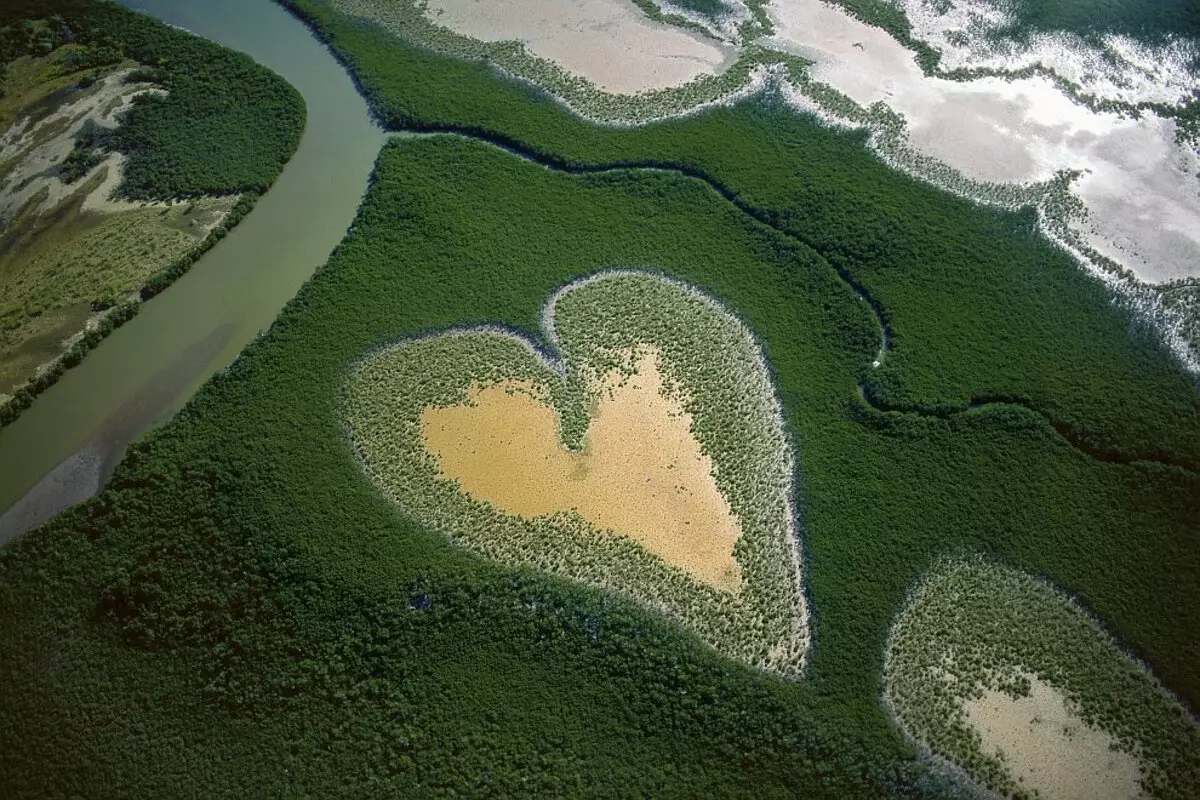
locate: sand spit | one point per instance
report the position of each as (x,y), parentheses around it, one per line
(641,472)
(1138,185)
(1049,749)
(609,42)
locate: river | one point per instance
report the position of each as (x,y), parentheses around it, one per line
(64,447)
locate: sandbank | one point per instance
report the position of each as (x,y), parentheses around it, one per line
(609,42)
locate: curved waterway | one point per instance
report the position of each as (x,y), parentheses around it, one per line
(62,449)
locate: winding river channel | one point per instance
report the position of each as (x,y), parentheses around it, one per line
(62,449)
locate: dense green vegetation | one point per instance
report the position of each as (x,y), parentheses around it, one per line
(241,607)
(89,151)
(242,545)
(290,593)
(654,11)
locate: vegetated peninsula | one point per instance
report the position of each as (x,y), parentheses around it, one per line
(376,555)
(127,149)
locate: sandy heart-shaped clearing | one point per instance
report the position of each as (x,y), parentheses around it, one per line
(644,454)
(641,472)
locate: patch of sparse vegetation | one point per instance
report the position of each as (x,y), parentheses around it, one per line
(219,128)
(707,356)
(63,260)
(759,23)
(1181,300)
(972,625)
(713,9)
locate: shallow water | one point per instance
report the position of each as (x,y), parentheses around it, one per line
(148,369)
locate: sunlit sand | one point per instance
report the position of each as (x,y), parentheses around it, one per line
(609,42)
(640,474)
(1047,748)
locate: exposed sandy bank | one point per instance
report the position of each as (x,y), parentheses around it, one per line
(609,42)
(1048,749)
(641,473)
(35,150)
(1139,187)
(73,481)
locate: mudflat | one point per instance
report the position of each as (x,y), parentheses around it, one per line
(1049,749)
(609,42)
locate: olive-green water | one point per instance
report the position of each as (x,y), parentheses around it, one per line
(61,450)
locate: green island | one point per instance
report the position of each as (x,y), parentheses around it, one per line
(282,592)
(129,149)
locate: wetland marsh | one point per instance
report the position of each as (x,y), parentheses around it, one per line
(414,539)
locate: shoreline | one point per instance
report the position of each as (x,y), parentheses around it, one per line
(83,473)
(105,199)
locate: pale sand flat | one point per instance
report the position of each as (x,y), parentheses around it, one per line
(1049,749)
(609,42)
(641,473)
(34,167)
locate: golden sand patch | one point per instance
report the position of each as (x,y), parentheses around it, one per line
(1048,748)
(641,472)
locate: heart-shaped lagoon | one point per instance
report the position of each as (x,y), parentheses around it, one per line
(647,455)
